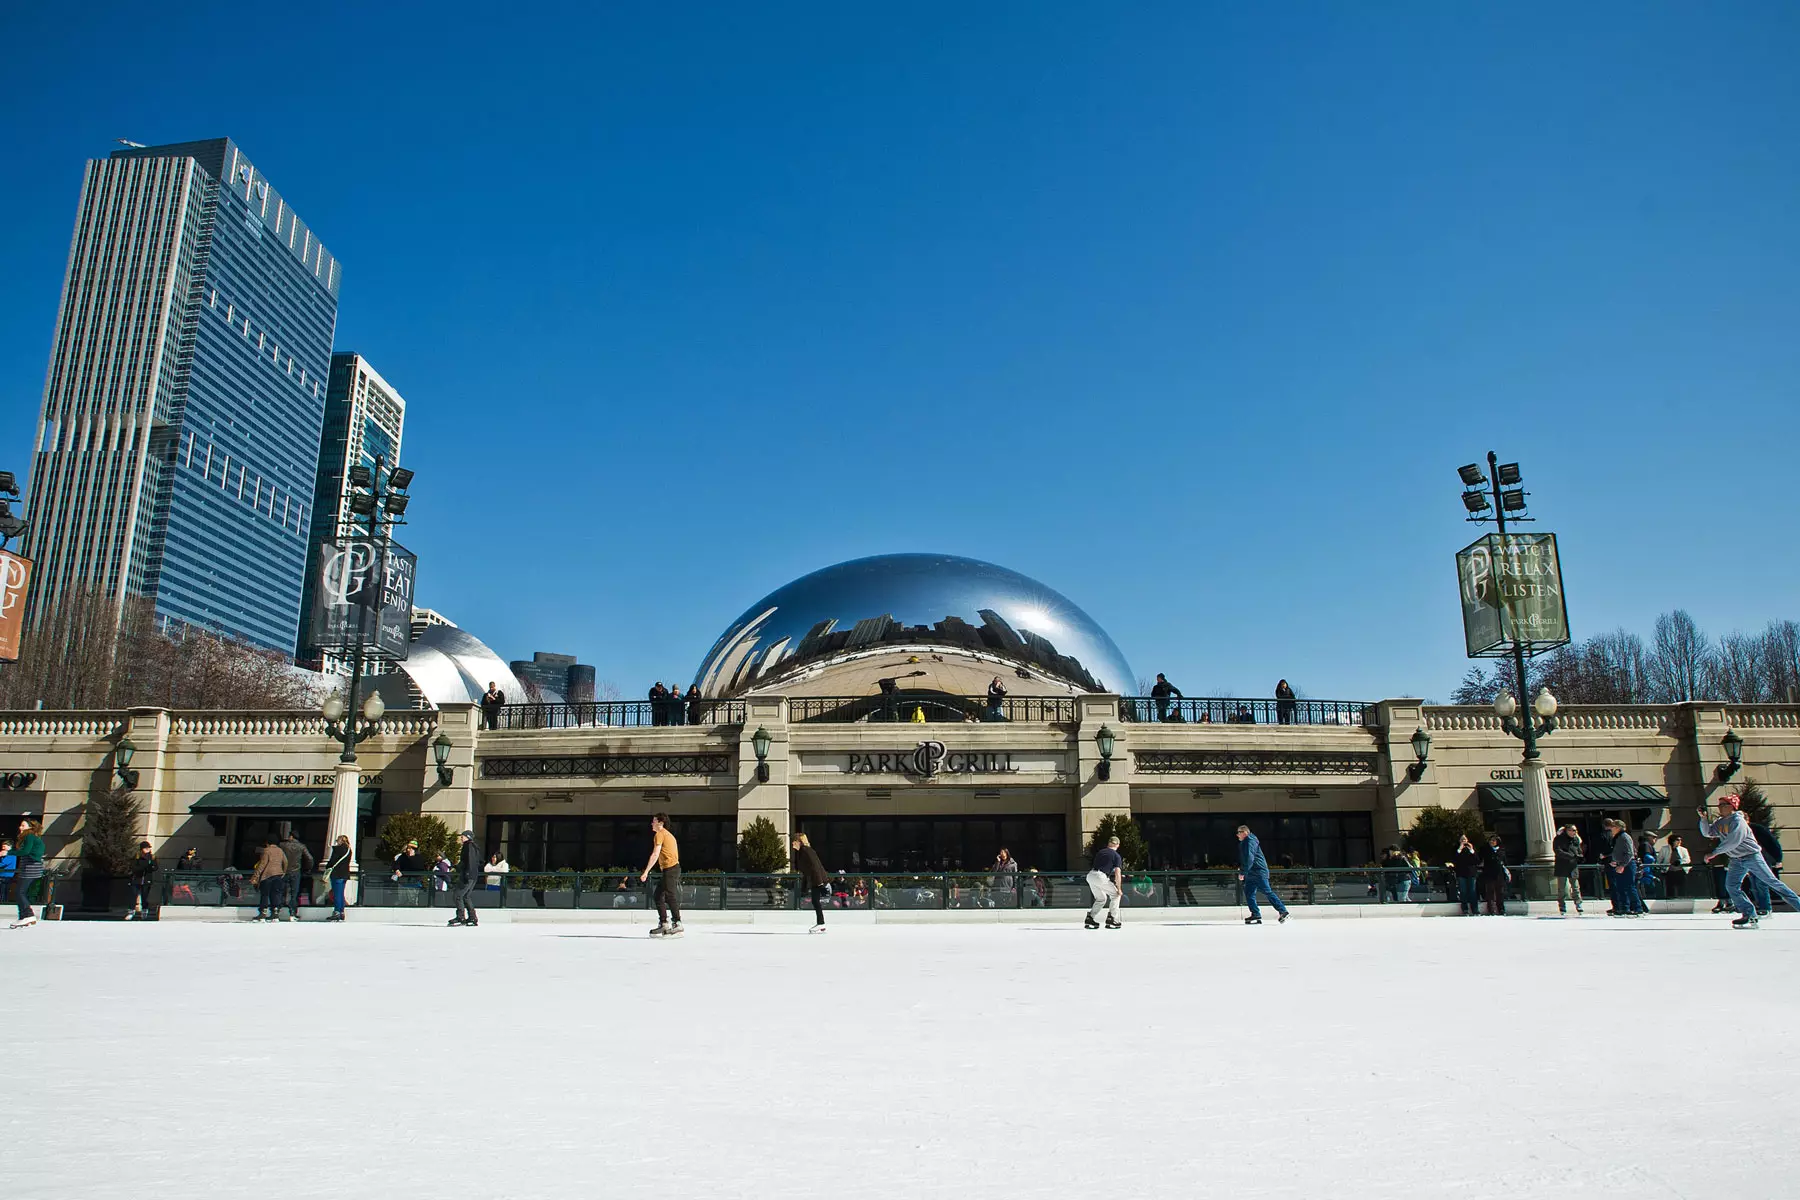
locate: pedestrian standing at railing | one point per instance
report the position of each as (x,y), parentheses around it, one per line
(337,867)
(1161,693)
(996,699)
(492,701)
(677,706)
(1738,844)
(468,878)
(693,704)
(1253,873)
(659,704)
(1466,862)
(271,869)
(813,875)
(1284,703)
(1676,863)
(189,860)
(28,868)
(442,871)
(144,876)
(1005,882)
(1394,869)
(1106,881)
(409,862)
(496,871)
(1566,848)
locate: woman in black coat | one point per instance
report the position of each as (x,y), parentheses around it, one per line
(1494,876)
(818,884)
(1467,863)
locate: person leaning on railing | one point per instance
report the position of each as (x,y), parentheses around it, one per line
(337,869)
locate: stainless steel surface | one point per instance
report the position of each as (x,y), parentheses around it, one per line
(449,666)
(893,600)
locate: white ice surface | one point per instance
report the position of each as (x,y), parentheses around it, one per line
(1470,1059)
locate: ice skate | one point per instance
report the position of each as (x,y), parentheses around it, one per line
(22,922)
(1282,919)
(1090,922)
(1745,923)
(453,922)
(660,931)
(1112,924)
(1253,920)
(675,930)
(817,929)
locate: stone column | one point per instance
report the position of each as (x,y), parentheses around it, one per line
(1540,821)
(757,799)
(454,802)
(148,729)
(1400,796)
(1095,798)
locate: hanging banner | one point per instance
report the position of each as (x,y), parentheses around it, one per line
(365,592)
(15,585)
(1512,591)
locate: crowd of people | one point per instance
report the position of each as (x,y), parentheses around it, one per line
(1164,695)
(669,706)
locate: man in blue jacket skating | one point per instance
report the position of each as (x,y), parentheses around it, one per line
(1253,872)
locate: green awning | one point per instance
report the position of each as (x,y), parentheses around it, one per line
(264,802)
(1576,797)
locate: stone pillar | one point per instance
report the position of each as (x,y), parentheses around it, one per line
(148,729)
(1400,796)
(343,808)
(757,799)
(454,802)
(1095,798)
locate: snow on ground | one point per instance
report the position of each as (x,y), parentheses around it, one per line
(1462,1058)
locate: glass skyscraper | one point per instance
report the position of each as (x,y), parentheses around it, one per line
(364,418)
(177,449)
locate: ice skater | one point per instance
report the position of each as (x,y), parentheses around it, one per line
(337,867)
(1253,873)
(818,882)
(1627,902)
(468,878)
(28,869)
(144,872)
(1738,844)
(1107,883)
(271,870)
(664,853)
(1567,850)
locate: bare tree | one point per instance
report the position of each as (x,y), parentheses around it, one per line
(1681,659)
(1781,661)
(1737,671)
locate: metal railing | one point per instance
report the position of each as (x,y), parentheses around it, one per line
(603,714)
(936,707)
(1231,710)
(903,891)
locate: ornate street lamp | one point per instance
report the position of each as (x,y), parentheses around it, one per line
(759,741)
(440,753)
(1105,742)
(1734,753)
(123,753)
(1421,744)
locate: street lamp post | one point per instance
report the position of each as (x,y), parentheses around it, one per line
(378,496)
(1503,480)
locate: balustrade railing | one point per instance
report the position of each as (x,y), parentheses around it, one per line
(936,707)
(39,723)
(615,714)
(1231,710)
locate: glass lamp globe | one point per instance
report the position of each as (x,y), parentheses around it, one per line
(374,706)
(333,708)
(1545,704)
(1504,705)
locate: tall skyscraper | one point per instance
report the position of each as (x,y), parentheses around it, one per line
(176,450)
(363,421)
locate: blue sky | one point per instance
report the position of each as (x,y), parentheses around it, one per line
(1189,310)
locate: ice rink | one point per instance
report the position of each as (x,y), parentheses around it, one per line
(1504,1057)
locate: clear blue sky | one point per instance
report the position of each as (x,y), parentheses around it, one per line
(1189,310)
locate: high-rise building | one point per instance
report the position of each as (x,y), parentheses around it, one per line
(177,446)
(363,422)
(557,677)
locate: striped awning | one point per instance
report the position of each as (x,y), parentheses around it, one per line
(266,802)
(1576,797)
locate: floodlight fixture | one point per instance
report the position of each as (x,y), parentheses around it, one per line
(9,483)
(1513,500)
(1475,502)
(1508,474)
(1471,475)
(395,503)
(360,476)
(401,478)
(363,503)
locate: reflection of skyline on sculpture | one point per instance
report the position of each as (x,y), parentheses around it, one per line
(913,599)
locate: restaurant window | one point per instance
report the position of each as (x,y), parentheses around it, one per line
(1197,841)
(931,844)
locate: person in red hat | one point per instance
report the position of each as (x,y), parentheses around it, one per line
(1737,843)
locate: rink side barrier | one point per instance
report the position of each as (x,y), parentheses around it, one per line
(713,891)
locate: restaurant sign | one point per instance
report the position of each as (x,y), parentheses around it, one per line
(931,760)
(293,779)
(1563,774)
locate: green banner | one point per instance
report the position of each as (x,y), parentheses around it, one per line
(1512,591)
